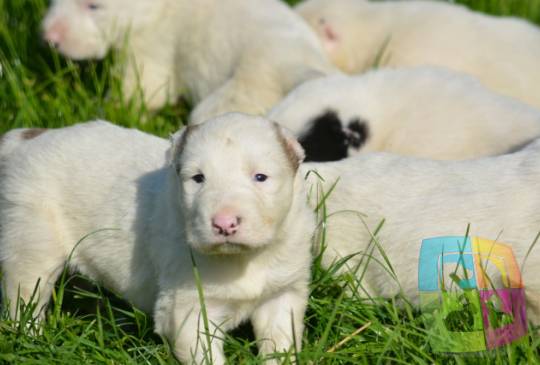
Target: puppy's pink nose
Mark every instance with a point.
(225, 224)
(55, 33)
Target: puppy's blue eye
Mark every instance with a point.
(93, 6)
(260, 177)
(199, 178)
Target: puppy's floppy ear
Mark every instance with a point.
(178, 141)
(293, 149)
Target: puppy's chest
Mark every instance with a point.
(259, 282)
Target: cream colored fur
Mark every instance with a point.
(419, 111)
(502, 52)
(141, 214)
(232, 55)
(418, 199)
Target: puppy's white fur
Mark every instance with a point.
(418, 111)
(143, 219)
(502, 52)
(418, 199)
(239, 55)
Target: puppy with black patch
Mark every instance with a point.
(135, 219)
(425, 111)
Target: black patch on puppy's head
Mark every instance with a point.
(358, 133)
(325, 140)
(329, 140)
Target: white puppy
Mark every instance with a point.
(419, 199)
(241, 55)
(502, 52)
(418, 111)
(102, 200)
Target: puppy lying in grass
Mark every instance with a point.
(418, 111)
(236, 55)
(502, 52)
(215, 233)
(381, 206)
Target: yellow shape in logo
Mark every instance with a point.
(486, 252)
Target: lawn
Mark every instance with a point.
(39, 88)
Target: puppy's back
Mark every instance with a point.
(77, 169)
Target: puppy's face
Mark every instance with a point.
(84, 29)
(236, 179)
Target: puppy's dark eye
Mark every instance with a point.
(199, 178)
(93, 6)
(260, 177)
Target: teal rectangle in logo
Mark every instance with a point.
(453, 253)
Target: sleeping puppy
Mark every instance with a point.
(136, 214)
(502, 52)
(233, 55)
(419, 111)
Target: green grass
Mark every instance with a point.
(39, 88)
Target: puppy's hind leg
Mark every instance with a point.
(32, 260)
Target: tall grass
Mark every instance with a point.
(86, 324)
(40, 88)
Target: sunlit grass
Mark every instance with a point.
(86, 325)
